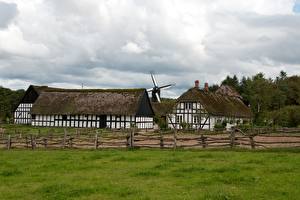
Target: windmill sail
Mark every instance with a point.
(156, 89)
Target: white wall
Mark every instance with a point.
(185, 113)
(92, 121)
(22, 114)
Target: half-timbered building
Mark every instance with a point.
(22, 112)
(93, 108)
(201, 109)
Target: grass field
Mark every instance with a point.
(150, 174)
(12, 129)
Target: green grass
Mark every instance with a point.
(14, 129)
(149, 174)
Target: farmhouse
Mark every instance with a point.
(201, 109)
(88, 108)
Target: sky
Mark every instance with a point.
(116, 43)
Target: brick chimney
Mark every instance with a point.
(196, 83)
(206, 89)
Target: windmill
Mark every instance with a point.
(156, 89)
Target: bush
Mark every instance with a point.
(161, 122)
(244, 127)
(220, 125)
(288, 116)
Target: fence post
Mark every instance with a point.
(64, 140)
(26, 140)
(32, 140)
(161, 140)
(8, 142)
(71, 142)
(96, 140)
(127, 141)
(203, 142)
(252, 142)
(132, 138)
(232, 139)
(175, 139)
(45, 143)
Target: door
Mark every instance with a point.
(103, 121)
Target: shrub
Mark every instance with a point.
(161, 122)
(288, 116)
(185, 125)
(220, 125)
(244, 127)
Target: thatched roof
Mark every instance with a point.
(40, 89)
(163, 108)
(228, 91)
(33, 92)
(215, 104)
(92, 101)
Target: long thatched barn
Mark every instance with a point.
(91, 108)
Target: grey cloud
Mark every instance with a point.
(85, 44)
(7, 12)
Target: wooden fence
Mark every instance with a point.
(132, 139)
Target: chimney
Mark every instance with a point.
(206, 87)
(196, 83)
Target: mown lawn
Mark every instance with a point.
(149, 174)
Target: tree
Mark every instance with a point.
(9, 100)
(233, 82)
(213, 87)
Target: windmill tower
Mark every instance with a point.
(156, 89)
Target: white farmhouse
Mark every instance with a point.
(201, 109)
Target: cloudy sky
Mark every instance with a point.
(116, 43)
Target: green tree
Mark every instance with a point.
(232, 81)
(9, 100)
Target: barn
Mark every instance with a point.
(93, 108)
(201, 109)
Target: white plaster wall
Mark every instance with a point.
(22, 114)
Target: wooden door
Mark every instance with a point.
(103, 121)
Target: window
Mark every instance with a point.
(188, 106)
(179, 119)
(64, 117)
(33, 116)
(196, 119)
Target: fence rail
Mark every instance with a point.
(134, 139)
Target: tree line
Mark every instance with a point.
(274, 102)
